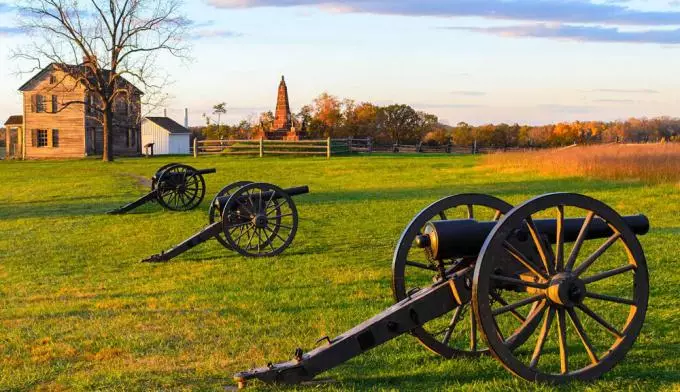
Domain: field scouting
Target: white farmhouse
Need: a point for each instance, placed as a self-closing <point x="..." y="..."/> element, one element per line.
<point x="168" y="136"/>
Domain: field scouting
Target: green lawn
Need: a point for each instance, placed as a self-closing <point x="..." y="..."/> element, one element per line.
<point x="79" y="312"/>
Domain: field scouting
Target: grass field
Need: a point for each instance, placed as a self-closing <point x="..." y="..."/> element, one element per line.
<point x="79" y="312"/>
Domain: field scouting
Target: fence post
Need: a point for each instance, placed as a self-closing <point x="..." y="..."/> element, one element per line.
<point x="349" y="145"/>
<point x="261" y="147"/>
<point x="419" y="147"/>
<point x="369" y="144"/>
<point x="195" y="147"/>
<point x="328" y="148"/>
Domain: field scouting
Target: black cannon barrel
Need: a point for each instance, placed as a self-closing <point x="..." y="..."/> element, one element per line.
<point x="295" y="191"/>
<point x="465" y="237"/>
<point x="206" y="171"/>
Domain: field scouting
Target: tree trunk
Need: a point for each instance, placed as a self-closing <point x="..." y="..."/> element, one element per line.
<point x="107" y="155"/>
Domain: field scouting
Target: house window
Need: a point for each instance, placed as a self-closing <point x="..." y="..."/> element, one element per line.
<point x="39" y="103"/>
<point x="42" y="138"/>
<point x="55" y="138"/>
<point x="55" y="104"/>
<point x="53" y="79"/>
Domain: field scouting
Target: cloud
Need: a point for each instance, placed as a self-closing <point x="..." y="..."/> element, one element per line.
<point x="564" y="11"/>
<point x="614" y="101"/>
<point x="214" y="33"/>
<point x="579" y="33"/>
<point x="468" y="93"/>
<point x="625" y="91"/>
<point x="10" y="31"/>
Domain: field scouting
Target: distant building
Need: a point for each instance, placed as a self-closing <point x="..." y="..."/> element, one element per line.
<point x="167" y="135"/>
<point x="285" y="127"/>
<point x="13" y="133"/>
<point x="52" y="128"/>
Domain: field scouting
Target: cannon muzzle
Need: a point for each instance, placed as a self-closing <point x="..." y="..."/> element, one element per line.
<point x="450" y="239"/>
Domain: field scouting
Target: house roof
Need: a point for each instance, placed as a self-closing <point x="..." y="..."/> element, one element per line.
<point x="168" y="124"/>
<point x="15" y="120"/>
<point x="75" y="69"/>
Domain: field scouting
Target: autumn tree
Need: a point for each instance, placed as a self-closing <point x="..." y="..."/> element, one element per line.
<point x="102" y="45"/>
<point x="219" y="110"/>
<point x="401" y="122"/>
<point x="327" y="115"/>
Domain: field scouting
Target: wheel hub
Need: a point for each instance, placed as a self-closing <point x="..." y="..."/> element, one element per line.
<point x="566" y="290"/>
<point x="260" y="221"/>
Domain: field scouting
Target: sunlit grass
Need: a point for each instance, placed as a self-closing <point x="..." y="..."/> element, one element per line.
<point x="79" y="312"/>
<point x="651" y="163"/>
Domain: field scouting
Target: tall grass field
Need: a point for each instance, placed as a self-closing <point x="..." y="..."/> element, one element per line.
<point x="78" y="311"/>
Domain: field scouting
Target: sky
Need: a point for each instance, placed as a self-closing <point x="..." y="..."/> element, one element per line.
<point x="478" y="61"/>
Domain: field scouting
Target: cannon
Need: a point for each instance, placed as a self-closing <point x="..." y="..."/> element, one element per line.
<point x="175" y="186"/>
<point x="253" y="219"/>
<point x="471" y="275"/>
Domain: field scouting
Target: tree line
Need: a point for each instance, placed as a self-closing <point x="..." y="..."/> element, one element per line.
<point x="330" y="116"/>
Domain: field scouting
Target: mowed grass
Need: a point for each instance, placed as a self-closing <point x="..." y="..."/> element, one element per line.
<point x="79" y="312"/>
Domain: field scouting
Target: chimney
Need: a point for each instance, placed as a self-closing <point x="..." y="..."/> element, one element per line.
<point x="165" y="112"/>
<point x="186" y="118"/>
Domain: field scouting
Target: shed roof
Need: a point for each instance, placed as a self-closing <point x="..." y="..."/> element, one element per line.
<point x="168" y="124"/>
<point x="15" y="120"/>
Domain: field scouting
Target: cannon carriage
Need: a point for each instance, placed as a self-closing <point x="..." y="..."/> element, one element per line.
<point x="175" y="186"/>
<point x="471" y="275"/>
<point x="252" y="219"/>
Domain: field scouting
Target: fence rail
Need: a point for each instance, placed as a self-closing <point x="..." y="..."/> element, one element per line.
<point x="328" y="147"/>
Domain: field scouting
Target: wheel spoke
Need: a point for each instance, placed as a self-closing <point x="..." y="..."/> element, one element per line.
<point x="562" y="333"/>
<point x="442" y="215"/>
<point x="473" y="330"/>
<point x="591" y="259"/>
<point x="518" y="256"/>
<point x="518" y="304"/>
<point x="545" y="329"/>
<point x="585" y="309"/>
<point x="497" y="215"/>
<point x="518" y="282"/>
<point x="582" y="335"/>
<point x="470" y="211"/>
<point x="503" y="302"/>
<point x="608" y="274"/>
<point x="452" y="325"/>
<point x="540" y="245"/>
<point x="559" y="246"/>
<point x="610" y="298"/>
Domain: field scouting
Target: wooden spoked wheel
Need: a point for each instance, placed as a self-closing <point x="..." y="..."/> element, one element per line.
<point x="259" y="220"/>
<point x="158" y="174"/>
<point x="600" y="286"/>
<point x="180" y="188"/>
<point x="214" y="212"/>
<point x="456" y="333"/>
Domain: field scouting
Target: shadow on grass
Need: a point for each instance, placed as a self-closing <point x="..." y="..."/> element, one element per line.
<point x="65" y="207"/>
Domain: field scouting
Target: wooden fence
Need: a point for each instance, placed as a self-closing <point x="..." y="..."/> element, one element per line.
<point x="328" y="147"/>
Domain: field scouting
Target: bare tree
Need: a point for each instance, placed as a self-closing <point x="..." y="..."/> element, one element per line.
<point x="106" y="46"/>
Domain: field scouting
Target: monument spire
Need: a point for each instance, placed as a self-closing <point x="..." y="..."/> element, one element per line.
<point x="282" y="119"/>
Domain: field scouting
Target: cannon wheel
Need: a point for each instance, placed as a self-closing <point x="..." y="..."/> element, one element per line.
<point x="608" y="285"/>
<point x="158" y="174"/>
<point x="256" y="226"/>
<point x="214" y="214"/>
<point x="446" y="341"/>
<point x="180" y="188"/>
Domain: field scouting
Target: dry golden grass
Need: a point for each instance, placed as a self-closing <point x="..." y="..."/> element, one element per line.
<point x="651" y="163"/>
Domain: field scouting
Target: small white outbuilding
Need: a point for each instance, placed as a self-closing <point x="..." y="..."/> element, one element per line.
<point x="167" y="135"/>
